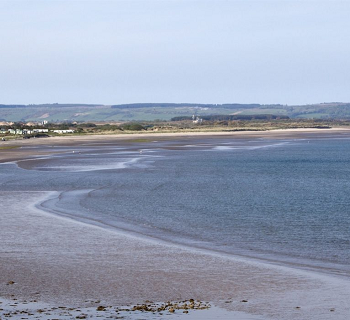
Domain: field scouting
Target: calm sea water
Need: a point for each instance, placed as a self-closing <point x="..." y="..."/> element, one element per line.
<point x="285" y="201"/>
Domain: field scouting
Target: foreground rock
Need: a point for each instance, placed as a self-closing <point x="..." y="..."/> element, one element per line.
<point x="12" y="308"/>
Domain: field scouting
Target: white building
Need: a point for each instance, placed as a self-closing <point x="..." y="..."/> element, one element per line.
<point x="63" y="131"/>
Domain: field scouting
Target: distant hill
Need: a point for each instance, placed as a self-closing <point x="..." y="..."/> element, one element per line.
<point x="166" y="111"/>
<point x="184" y="105"/>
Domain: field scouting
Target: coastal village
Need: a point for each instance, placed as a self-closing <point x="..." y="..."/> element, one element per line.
<point x="29" y="128"/>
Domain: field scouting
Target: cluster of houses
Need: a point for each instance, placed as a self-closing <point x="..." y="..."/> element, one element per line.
<point x="6" y="130"/>
<point x="32" y="131"/>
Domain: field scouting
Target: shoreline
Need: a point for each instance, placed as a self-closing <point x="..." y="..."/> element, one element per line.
<point x="72" y="266"/>
<point x="59" y="261"/>
<point x="126" y="230"/>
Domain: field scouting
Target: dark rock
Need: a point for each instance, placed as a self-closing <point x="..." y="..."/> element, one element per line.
<point x="101" y="308"/>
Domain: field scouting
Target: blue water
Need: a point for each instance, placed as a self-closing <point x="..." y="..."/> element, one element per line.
<point x="285" y="201"/>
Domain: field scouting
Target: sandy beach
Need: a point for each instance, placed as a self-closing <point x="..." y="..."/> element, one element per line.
<point x="49" y="262"/>
<point x="18" y="153"/>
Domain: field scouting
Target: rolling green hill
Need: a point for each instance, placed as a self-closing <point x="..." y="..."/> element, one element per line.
<point x="165" y="111"/>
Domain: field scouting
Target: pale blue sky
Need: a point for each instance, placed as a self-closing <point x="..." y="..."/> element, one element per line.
<point x="113" y="52"/>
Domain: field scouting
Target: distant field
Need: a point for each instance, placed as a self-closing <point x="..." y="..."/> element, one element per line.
<point x="276" y="111"/>
<point x="315" y="115"/>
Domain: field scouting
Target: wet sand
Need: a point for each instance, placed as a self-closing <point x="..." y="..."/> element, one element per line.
<point x="61" y="262"/>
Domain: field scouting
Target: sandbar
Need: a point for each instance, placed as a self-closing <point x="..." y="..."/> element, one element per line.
<point x="21" y="148"/>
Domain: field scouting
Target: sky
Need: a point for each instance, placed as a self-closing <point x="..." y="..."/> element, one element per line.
<point x="111" y="52"/>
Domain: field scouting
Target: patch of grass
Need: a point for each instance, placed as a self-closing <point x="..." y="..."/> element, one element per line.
<point x="140" y="140"/>
<point x="8" y="147"/>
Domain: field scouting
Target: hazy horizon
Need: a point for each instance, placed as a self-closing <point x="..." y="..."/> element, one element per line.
<point x="116" y="52"/>
<point x="171" y="102"/>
